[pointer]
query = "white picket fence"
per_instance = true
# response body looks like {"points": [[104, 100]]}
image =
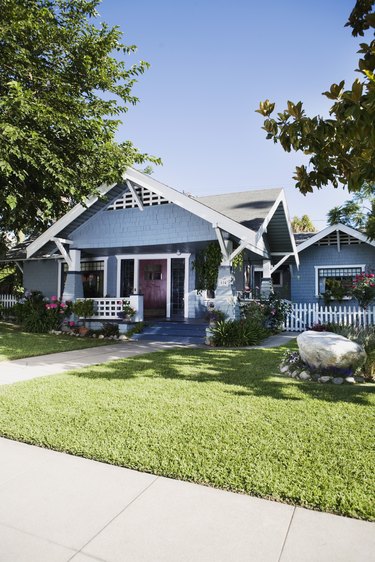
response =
{"points": [[305, 315], [7, 301]]}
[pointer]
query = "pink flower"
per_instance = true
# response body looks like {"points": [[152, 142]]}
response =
{"points": [[54, 298], [53, 305], [71, 324]]}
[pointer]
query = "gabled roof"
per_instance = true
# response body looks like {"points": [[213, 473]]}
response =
{"points": [[216, 210], [249, 208], [301, 237], [329, 230]]}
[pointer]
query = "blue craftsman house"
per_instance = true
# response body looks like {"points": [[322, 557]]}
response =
{"points": [[139, 240]]}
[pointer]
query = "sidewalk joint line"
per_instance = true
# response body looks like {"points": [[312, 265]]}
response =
{"points": [[116, 516], [286, 534]]}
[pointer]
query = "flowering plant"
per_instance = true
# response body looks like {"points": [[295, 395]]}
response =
{"points": [[127, 310], [40, 314], [364, 289], [56, 311], [275, 311]]}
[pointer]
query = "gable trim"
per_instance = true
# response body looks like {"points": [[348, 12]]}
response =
{"points": [[336, 227]]}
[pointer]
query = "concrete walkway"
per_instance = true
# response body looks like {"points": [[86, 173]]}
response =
{"points": [[58, 508], [43, 365], [34, 367]]}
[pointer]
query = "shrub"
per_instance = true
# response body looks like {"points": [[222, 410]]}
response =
{"points": [[38, 314], [83, 308], [56, 311], [275, 311], [215, 315], [364, 289], [109, 329], [253, 310], [322, 327], [238, 333]]}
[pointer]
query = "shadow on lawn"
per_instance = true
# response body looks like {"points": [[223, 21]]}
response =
{"points": [[256, 371]]}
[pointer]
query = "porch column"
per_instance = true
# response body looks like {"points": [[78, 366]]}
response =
{"points": [[225, 292], [266, 284], [73, 288]]}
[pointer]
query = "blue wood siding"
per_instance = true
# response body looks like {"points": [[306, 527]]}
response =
{"points": [[160, 224], [41, 275], [303, 280]]}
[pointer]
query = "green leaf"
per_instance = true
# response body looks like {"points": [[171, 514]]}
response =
{"points": [[11, 201]]}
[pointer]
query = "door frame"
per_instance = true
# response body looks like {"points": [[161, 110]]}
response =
{"points": [[138, 257]]}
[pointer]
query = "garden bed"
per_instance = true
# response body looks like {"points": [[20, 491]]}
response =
{"points": [[16, 344]]}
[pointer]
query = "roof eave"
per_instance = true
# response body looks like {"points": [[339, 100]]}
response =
{"points": [[263, 229]]}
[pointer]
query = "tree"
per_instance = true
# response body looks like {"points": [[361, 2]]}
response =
{"points": [[303, 224], [357, 212], [341, 148], [63, 88]]}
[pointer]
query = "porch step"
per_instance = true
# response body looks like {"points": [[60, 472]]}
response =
{"points": [[173, 332]]}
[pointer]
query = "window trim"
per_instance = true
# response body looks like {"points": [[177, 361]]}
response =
{"points": [[335, 266], [105, 273]]}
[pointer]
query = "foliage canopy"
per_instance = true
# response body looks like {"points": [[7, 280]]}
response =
{"points": [[357, 212], [303, 224], [63, 88], [342, 147]]}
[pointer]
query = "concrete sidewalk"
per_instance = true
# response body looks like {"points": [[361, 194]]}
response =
{"points": [[56, 508], [41, 366]]}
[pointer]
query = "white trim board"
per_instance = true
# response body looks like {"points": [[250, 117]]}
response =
{"points": [[317, 267], [336, 227]]}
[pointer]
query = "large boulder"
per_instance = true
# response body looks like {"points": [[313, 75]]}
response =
{"points": [[329, 351]]}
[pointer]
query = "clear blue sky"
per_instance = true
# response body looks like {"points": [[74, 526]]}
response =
{"points": [[212, 61]]}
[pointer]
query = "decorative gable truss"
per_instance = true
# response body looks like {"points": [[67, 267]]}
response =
{"points": [[137, 196]]}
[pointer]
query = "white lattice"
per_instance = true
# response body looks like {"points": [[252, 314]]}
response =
{"points": [[147, 197]]}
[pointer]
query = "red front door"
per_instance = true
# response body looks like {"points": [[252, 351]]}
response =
{"points": [[153, 285]]}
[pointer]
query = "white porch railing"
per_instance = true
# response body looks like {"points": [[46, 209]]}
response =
{"points": [[109, 308], [305, 315], [7, 301]]}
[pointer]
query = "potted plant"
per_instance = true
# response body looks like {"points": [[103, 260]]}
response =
{"points": [[128, 312], [83, 309]]}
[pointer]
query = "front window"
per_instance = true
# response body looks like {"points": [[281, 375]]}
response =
{"points": [[336, 282], [92, 278]]}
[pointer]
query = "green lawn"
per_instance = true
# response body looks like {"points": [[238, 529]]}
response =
{"points": [[219, 417], [15, 344]]}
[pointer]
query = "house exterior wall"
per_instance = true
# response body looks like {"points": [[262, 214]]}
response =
{"points": [[160, 224], [157, 226], [41, 275], [303, 280]]}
